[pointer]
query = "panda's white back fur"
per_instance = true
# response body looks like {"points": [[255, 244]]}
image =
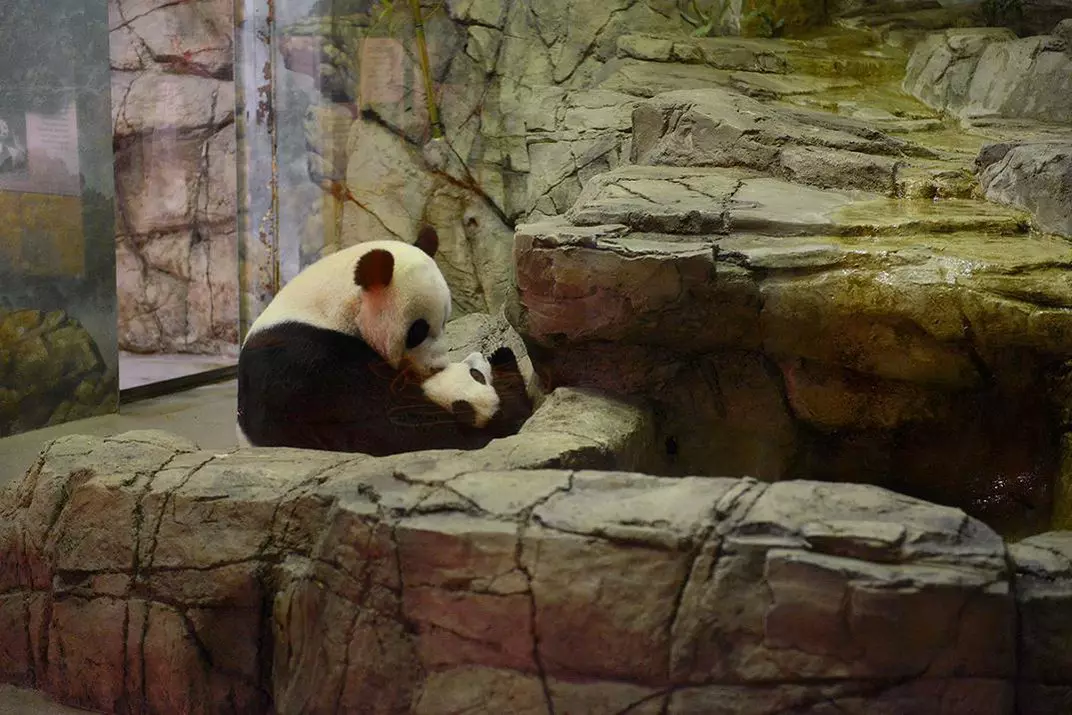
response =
{"points": [[326, 295]]}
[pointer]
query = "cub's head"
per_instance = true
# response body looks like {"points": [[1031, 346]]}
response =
{"points": [[487, 394], [465, 389], [405, 302]]}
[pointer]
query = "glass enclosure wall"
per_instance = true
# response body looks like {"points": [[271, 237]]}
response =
{"points": [[58, 357], [172, 71]]}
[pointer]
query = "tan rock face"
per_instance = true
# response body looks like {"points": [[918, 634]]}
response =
{"points": [[140, 573], [173, 109], [806, 280], [523, 127]]}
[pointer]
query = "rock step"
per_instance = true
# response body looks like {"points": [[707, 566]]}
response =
{"points": [[716, 127], [646, 79], [416, 589], [703, 201], [928, 308], [856, 56]]}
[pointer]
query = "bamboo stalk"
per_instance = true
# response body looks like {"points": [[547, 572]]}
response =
{"points": [[426, 70]]}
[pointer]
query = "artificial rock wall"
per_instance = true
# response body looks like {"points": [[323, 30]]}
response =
{"points": [[173, 114], [139, 574]]}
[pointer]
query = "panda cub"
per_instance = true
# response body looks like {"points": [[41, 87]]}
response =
{"points": [[465, 388], [488, 398], [348, 357]]}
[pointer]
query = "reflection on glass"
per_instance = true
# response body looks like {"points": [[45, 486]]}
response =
{"points": [[58, 358], [172, 72]]}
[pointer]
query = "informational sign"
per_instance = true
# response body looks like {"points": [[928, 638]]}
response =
{"points": [[41, 231], [39, 152]]}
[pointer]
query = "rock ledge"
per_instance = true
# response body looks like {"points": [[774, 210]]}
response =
{"points": [[141, 574]]}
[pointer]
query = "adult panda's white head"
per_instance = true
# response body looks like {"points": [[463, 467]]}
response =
{"points": [[404, 302], [389, 293]]}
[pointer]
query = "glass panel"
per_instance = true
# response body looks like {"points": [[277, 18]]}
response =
{"points": [[257, 183], [173, 104], [58, 358]]}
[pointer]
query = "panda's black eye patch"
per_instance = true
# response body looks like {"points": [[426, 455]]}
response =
{"points": [[478, 376], [417, 333]]}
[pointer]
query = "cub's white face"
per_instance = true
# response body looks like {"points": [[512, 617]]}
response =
{"points": [[468, 381]]}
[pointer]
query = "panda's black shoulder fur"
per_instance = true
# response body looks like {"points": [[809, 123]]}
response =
{"points": [[308, 387]]}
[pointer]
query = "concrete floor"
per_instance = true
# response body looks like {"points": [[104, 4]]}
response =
{"points": [[15, 701], [205, 415], [136, 370]]}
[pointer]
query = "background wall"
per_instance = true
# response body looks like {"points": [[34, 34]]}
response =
{"points": [[58, 357], [173, 118]]}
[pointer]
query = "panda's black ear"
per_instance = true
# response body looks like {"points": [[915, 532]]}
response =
{"points": [[375, 269], [428, 240], [464, 412]]}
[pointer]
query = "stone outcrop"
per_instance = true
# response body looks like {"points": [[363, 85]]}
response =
{"points": [[828, 352], [983, 72], [536, 104], [723, 128], [138, 573], [1035, 176], [1043, 564], [173, 111], [807, 282], [51, 371]]}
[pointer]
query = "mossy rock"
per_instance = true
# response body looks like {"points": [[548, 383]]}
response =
{"points": [[15, 324], [51, 371], [782, 18]]}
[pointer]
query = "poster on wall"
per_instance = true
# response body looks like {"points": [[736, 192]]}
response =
{"points": [[58, 314], [42, 233], [14, 159], [39, 152]]}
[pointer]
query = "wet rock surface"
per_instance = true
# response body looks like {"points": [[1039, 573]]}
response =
{"points": [[439, 582], [51, 371]]}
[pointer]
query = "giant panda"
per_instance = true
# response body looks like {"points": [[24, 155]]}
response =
{"points": [[348, 357]]}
